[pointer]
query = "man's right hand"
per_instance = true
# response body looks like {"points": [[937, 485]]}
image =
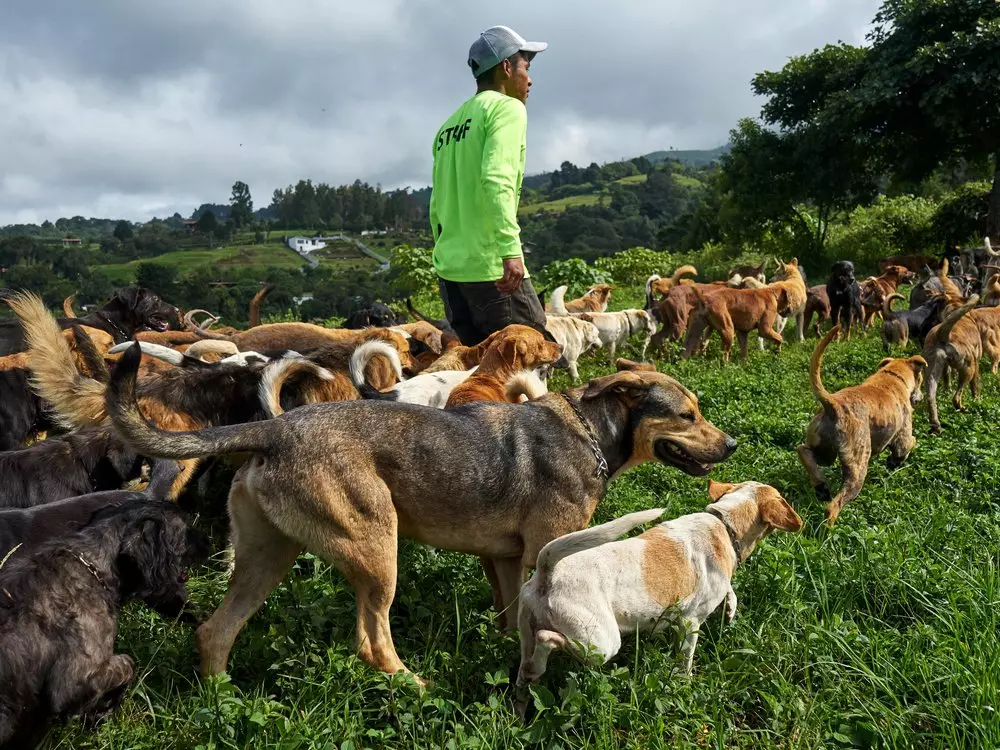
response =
{"points": [[513, 274]]}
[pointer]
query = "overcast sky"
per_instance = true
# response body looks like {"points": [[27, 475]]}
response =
{"points": [[136, 108]]}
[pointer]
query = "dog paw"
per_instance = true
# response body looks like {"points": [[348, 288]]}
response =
{"points": [[823, 492], [935, 429], [832, 513]]}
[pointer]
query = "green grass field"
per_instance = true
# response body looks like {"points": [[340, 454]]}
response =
{"points": [[882, 632]]}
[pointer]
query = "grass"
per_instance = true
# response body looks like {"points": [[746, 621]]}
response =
{"points": [[882, 632], [589, 199]]}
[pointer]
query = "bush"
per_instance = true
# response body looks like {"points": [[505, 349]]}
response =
{"points": [[635, 265], [412, 269], [575, 273], [889, 226], [961, 217]]}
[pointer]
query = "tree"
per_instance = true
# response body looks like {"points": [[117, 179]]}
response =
{"points": [[207, 223], [158, 277], [241, 205], [923, 92], [123, 231]]}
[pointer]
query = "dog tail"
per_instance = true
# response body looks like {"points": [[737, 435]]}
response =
{"points": [[91, 359], [364, 354], [525, 383], [815, 365], [416, 314], [77, 401], [256, 302], [952, 318], [162, 475], [147, 440], [199, 349], [68, 310], [595, 536], [685, 270], [557, 300], [887, 311], [276, 374]]}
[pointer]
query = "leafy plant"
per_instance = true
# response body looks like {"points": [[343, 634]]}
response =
{"points": [[575, 273], [413, 269]]}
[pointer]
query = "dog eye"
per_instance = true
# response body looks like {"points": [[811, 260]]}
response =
{"points": [[688, 416]]}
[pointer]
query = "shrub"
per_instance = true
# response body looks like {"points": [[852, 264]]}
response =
{"points": [[635, 265], [889, 226], [412, 269], [575, 273], [961, 217]]}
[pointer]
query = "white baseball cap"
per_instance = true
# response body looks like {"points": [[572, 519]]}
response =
{"points": [[495, 45]]}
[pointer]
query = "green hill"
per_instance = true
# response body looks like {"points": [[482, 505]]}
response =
{"points": [[694, 158]]}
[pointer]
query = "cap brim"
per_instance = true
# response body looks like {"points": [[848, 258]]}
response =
{"points": [[534, 46]]}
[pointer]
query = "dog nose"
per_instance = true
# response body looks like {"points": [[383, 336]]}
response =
{"points": [[730, 446]]}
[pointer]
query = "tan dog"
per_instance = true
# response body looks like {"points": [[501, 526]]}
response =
{"points": [[859, 422], [876, 290], [577, 336], [517, 349], [588, 588], [674, 312], [595, 300], [991, 295]]}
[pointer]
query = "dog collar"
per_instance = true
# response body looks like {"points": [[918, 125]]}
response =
{"points": [[117, 328], [897, 376], [733, 539], [93, 571], [602, 464]]}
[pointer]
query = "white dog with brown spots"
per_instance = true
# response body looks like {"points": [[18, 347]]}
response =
{"points": [[588, 589]]}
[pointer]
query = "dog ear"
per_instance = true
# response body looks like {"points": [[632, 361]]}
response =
{"points": [[718, 490], [885, 362], [621, 382], [918, 362], [776, 511], [622, 364]]}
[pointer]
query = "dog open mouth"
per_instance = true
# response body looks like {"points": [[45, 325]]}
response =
{"points": [[159, 324], [672, 454]]}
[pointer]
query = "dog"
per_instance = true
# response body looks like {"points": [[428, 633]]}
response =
{"points": [[818, 304], [674, 312], [130, 309], [909, 262], [441, 324], [377, 315], [844, 293], [594, 300], [658, 287], [617, 328], [517, 349], [991, 293], [875, 290], [736, 312], [857, 423], [427, 389], [957, 344], [26, 528], [59, 609], [898, 328], [588, 588], [92, 459], [491, 479], [576, 336]]}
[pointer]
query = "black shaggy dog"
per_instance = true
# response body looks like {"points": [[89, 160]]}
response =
{"points": [[130, 309], [59, 608], [26, 528], [845, 296], [91, 459]]}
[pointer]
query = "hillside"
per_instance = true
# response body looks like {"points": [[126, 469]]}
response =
{"points": [[690, 158]]}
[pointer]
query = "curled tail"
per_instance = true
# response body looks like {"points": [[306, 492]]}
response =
{"points": [[69, 312], [578, 541], [364, 354], [162, 475], [256, 302], [526, 383], [147, 440], [887, 311], [557, 300], [77, 401], [685, 270], [650, 302], [277, 373], [815, 365], [952, 318]]}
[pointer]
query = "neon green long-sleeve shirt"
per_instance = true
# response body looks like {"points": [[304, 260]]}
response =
{"points": [[478, 167]]}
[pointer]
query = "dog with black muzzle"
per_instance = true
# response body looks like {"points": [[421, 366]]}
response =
{"points": [[495, 480], [59, 608], [844, 292]]}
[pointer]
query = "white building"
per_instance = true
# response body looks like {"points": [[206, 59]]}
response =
{"points": [[305, 245]]}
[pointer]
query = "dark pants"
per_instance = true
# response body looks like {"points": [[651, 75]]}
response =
{"points": [[477, 309]]}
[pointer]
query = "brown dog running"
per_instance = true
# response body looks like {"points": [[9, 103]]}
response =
{"points": [[517, 349], [494, 480], [859, 422]]}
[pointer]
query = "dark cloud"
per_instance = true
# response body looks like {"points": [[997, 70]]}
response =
{"points": [[116, 107]]}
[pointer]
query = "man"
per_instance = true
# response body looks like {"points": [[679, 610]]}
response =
{"points": [[478, 167]]}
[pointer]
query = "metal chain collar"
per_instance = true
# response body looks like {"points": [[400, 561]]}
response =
{"points": [[602, 463]]}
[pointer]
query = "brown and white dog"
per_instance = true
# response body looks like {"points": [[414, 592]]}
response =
{"points": [[658, 287], [595, 300], [858, 422], [588, 588], [577, 337]]}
